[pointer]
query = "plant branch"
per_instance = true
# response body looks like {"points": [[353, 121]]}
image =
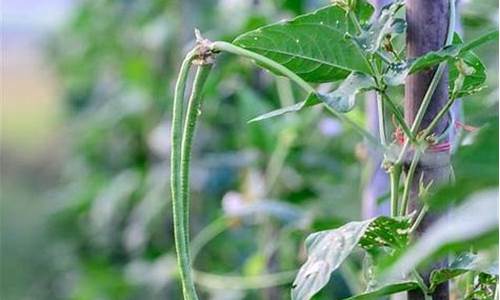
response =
{"points": [[398, 115], [421, 284], [408, 181], [394, 173], [381, 120], [228, 47], [419, 218], [443, 110], [422, 109]]}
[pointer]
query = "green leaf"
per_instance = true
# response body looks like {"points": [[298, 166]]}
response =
{"points": [[433, 58], [385, 25], [386, 232], [455, 231], [343, 99], [484, 288], [328, 249], [386, 289], [464, 263], [457, 49], [483, 39], [314, 46], [474, 82]]}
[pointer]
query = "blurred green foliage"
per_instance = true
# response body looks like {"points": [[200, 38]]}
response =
{"points": [[107, 230]]}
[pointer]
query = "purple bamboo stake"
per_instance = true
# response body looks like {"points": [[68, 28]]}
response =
{"points": [[427, 29]]}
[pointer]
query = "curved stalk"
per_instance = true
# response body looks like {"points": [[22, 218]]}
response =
{"points": [[208, 233], [228, 47], [234, 282]]}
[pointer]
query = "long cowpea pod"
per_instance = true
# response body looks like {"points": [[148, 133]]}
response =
{"points": [[180, 157]]}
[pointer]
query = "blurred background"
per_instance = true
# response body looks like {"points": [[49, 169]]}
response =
{"points": [[85, 118]]}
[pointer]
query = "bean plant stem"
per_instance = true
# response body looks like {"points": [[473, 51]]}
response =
{"points": [[408, 181], [422, 109], [381, 120], [398, 115], [419, 218], [440, 114], [394, 175], [228, 47], [421, 284], [178, 208]]}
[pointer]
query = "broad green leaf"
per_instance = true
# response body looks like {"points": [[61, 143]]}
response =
{"points": [[385, 25], [328, 249], [386, 289], [314, 45], [457, 49], [463, 263], [386, 232], [341, 99], [459, 229]]}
